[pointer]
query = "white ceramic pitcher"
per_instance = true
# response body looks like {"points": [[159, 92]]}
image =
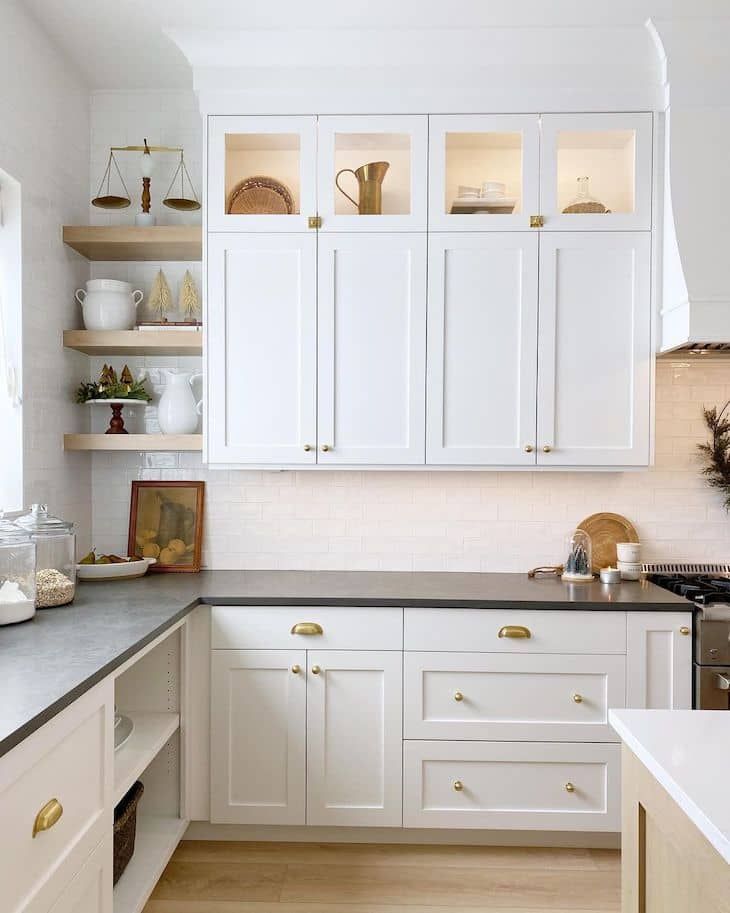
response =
{"points": [[177, 411]]}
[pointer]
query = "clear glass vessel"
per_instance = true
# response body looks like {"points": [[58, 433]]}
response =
{"points": [[17, 574], [584, 201], [579, 559], [55, 542]]}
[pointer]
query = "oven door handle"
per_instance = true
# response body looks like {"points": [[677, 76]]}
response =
{"points": [[722, 681]]}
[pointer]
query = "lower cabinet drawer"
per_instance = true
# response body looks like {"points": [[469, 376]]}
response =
{"points": [[512, 785], [492, 696], [66, 768], [91, 889]]}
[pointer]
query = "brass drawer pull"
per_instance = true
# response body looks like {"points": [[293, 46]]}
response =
{"points": [[578, 698], [684, 630], [296, 668], [458, 786], [316, 670], [569, 788], [517, 631], [49, 815], [307, 627], [458, 696]]}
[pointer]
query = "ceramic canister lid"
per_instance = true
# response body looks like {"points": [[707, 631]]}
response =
{"points": [[40, 523]]}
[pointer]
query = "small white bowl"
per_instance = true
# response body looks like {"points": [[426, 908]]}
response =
{"points": [[127, 570], [629, 552]]}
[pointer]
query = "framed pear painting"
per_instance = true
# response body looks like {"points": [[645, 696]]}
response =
{"points": [[166, 523]]}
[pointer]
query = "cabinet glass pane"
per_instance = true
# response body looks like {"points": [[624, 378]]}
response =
{"points": [[483, 173], [262, 174], [596, 171], [381, 183]]}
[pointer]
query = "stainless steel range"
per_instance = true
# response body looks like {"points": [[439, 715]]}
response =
{"points": [[708, 587]]}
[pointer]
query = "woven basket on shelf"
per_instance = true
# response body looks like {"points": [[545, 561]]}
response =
{"points": [[125, 829]]}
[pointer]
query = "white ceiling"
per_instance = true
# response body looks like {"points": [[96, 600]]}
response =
{"points": [[120, 44]]}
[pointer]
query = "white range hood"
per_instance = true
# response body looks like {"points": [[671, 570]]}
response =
{"points": [[695, 312]]}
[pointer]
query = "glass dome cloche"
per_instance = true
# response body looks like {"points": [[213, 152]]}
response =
{"points": [[578, 566]]}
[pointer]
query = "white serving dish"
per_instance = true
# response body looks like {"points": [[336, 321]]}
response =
{"points": [[128, 570], [109, 304]]}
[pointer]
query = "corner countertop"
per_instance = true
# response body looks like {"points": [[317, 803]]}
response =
{"points": [[48, 662], [687, 752]]}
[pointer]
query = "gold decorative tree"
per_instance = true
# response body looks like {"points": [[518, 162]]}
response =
{"points": [[160, 299], [189, 300]]}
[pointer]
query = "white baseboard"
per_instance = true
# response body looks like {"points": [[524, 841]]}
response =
{"points": [[203, 830]]}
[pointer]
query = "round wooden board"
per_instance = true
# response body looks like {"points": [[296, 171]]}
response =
{"points": [[606, 530]]}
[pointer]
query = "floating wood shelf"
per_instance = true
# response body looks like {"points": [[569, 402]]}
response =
{"points": [[134, 342], [132, 242], [133, 442]]}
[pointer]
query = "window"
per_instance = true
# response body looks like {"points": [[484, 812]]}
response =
{"points": [[11, 413]]}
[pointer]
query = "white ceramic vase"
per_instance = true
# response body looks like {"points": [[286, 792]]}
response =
{"points": [[109, 304], [177, 411]]}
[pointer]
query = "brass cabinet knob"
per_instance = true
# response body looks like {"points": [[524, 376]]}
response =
{"points": [[528, 448], [316, 670], [458, 786], [516, 631], [325, 448], [49, 815], [547, 448], [684, 630], [578, 698], [537, 221], [569, 788], [307, 448], [458, 696], [296, 668], [309, 628]]}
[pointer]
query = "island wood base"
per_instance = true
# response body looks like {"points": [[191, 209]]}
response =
{"points": [[667, 865]]}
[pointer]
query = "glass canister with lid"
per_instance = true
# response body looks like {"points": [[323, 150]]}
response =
{"points": [[55, 543], [17, 574]]}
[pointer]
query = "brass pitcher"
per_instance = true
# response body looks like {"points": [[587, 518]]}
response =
{"points": [[369, 185]]}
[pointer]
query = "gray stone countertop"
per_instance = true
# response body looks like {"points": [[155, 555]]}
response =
{"points": [[48, 662]]}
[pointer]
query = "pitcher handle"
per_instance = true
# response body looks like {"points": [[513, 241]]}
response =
{"points": [[80, 292], [343, 192], [194, 377], [137, 301]]}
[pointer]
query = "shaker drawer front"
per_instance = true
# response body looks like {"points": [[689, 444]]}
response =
{"points": [[507, 696], [320, 628], [64, 768], [514, 631], [512, 785]]}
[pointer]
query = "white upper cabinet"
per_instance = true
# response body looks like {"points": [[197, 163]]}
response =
{"points": [[596, 172], [262, 173], [262, 348], [482, 348], [373, 173], [372, 348], [594, 352], [483, 172]]}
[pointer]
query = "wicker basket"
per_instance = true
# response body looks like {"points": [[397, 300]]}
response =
{"points": [[125, 829]]}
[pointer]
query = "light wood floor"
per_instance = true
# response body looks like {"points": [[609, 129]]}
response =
{"points": [[227, 877]]}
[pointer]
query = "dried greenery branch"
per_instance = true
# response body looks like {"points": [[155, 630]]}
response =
{"points": [[717, 451]]}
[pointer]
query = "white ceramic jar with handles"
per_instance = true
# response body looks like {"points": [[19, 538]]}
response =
{"points": [[109, 304], [177, 411]]}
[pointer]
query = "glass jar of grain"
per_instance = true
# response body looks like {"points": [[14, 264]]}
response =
{"points": [[55, 543]]}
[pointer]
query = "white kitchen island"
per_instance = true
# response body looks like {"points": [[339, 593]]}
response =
{"points": [[675, 810]]}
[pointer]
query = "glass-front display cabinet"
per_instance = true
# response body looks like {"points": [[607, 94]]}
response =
{"points": [[372, 173], [596, 171], [484, 172], [262, 173]]}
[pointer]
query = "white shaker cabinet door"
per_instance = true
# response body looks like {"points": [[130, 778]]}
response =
{"points": [[354, 738], [482, 348], [659, 660], [91, 889], [594, 353], [372, 348], [262, 349], [258, 736]]}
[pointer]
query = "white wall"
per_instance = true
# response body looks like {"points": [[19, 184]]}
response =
{"points": [[44, 144], [506, 521]]}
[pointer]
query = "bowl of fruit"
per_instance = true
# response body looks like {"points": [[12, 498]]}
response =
{"points": [[111, 567]]}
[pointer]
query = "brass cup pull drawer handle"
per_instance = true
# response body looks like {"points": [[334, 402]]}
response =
{"points": [[517, 631], [458, 786], [569, 788], [49, 815], [307, 627]]}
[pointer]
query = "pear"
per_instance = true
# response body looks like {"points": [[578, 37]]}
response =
{"points": [[89, 559]]}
